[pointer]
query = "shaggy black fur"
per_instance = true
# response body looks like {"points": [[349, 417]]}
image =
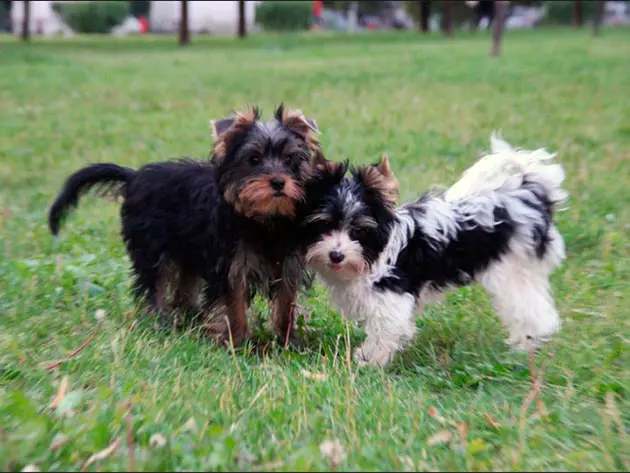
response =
{"points": [[227, 228]]}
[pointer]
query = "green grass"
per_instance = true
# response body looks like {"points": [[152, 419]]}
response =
{"points": [[428, 102]]}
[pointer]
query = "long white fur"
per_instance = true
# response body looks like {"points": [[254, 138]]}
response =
{"points": [[518, 284]]}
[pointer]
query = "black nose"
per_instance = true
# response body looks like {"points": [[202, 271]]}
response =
{"points": [[336, 256], [277, 183]]}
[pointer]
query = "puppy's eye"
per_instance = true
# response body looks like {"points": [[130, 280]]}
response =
{"points": [[255, 160], [357, 234], [288, 160]]}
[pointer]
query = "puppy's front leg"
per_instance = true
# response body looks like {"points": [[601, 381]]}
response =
{"points": [[283, 313], [388, 327], [236, 313]]}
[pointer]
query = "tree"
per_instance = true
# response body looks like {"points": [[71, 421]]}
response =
{"points": [[242, 31], [599, 16], [447, 11], [425, 13], [498, 27], [184, 36], [26, 19], [578, 14]]}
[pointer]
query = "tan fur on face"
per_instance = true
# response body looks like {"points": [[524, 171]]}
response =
{"points": [[242, 121], [257, 198], [382, 179]]}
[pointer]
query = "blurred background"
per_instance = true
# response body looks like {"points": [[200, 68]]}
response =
{"points": [[67, 18], [426, 82]]}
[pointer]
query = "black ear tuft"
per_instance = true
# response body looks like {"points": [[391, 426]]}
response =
{"points": [[280, 112], [343, 169], [257, 112]]}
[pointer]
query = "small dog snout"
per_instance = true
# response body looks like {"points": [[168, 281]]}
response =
{"points": [[277, 183], [336, 256]]}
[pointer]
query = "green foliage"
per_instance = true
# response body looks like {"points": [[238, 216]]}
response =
{"points": [[5, 17], [561, 12], [93, 17], [140, 8], [284, 16]]}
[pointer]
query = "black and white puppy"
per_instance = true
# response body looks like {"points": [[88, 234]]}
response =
{"points": [[494, 226], [222, 229]]}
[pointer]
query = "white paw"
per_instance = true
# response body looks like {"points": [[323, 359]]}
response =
{"points": [[372, 356], [525, 343]]}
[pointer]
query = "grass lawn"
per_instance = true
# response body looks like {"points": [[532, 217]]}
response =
{"points": [[431, 104]]}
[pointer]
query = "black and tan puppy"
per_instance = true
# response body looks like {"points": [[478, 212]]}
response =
{"points": [[223, 229]]}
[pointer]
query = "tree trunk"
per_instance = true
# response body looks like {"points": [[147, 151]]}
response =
{"points": [[498, 27], [447, 10], [184, 35], [242, 30], [578, 14], [425, 13], [599, 16], [26, 20]]}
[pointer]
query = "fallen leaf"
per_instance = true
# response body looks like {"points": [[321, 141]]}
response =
{"points": [[63, 387], [190, 425], [333, 451], [408, 462], [493, 423], [314, 376], [31, 468], [68, 403], [462, 430], [58, 441], [102, 454], [443, 436], [157, 441], [477, 445], [432, 411]]}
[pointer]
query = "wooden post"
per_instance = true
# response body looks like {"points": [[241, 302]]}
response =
{"points": [[425, 14], [578, 14], [599, 17], [26, 20], [242, 31], [500, 9], [184, 35], [447, 11]]}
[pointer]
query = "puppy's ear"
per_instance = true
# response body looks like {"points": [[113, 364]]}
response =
{"points": [[220, 126], [381, 179], [224, 128], [313, 124], [295, 121], [335, 168], [383, 167]]}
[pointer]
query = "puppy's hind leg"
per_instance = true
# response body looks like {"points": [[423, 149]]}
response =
{"points": [[187, 290], [228, 316], [150, 283], [389, 326], [521, 295]]}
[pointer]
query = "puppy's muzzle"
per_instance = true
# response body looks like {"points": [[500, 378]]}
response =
{"points": [[336, 256]]}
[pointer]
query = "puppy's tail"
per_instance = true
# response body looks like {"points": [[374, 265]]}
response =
{"points": [[506, 168], [105, 175]]}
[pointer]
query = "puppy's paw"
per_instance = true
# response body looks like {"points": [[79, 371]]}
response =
{"points": [[221, 335], [372, 356], [525, 343]]}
